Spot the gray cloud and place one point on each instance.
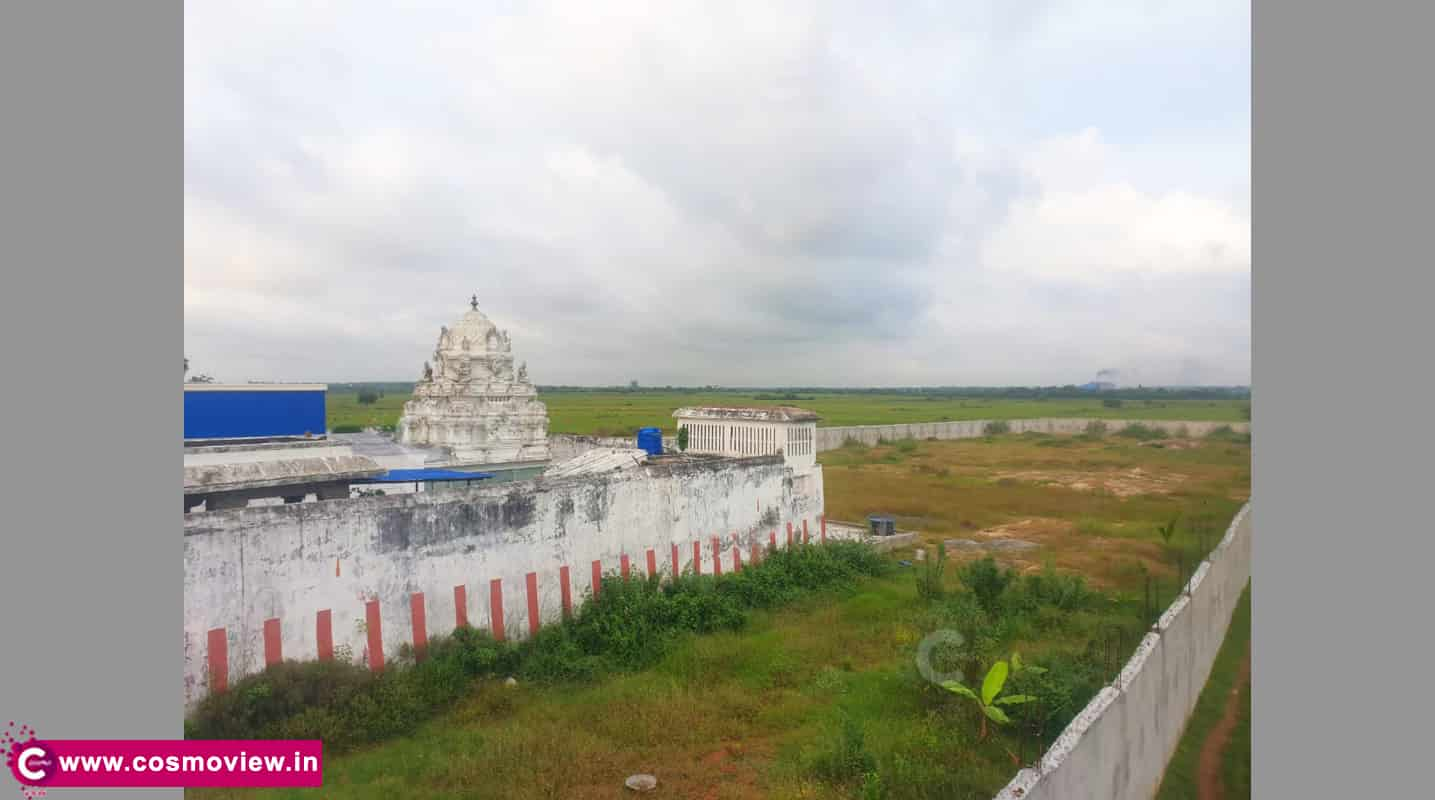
(767, 194)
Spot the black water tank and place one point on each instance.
(881, 525)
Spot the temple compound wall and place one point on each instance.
(359, 578)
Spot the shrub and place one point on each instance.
(347, 428)
(906, 445)
(368, 397)
(996, 427)
(1095, 429)
(1063, 590)
(1067, 685)
(929, 577)
(683, 438)
(845, 759)
(987, 581)
(1137, 430)
(1226, 434)
(1111, 402)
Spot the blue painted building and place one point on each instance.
(214, 411)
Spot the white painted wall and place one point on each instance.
(832, 438)
(288, 562)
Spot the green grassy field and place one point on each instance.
(623, 413)
(822, 699)
(1182, 775)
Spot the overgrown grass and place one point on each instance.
(631, 625)
(1181, 779)
(960, 487)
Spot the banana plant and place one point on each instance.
(1168, 530)
(988, 700)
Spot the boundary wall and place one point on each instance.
(568, 445)
(360, 578)
(1119, 745)
(832, 438)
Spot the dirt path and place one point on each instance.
(1208, 775)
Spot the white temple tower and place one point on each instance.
(472, 401)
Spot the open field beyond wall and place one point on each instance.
(821, 699)
(622, 413)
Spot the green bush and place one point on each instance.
(988, 582)
(1067, 685)
(1063, 590)
(929, 576)
(1137, 430)
(1226, 433)
(347, 428)
(996, 428)
(1111, 402)
(1095, 429)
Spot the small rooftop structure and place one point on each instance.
(230, 477)
(739, 431)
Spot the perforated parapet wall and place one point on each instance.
(1119, 745)
(362, 577)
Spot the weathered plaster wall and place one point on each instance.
(1120, 744)
(246, 567)
(831, 438)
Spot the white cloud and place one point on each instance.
(763, 193)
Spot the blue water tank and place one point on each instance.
(651, 440)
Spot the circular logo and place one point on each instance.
(34, 763)
(948, 641)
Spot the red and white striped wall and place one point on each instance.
(380, 625)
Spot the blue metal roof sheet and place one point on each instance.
(411, 475)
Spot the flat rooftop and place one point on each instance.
(256, 387)
(749, 413)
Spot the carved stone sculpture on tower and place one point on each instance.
(473, 402)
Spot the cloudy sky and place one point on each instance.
(795, 193)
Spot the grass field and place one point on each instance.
(822, 699)
(623, 413)
(1182, 780)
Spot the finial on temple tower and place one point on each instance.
(473, 301)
